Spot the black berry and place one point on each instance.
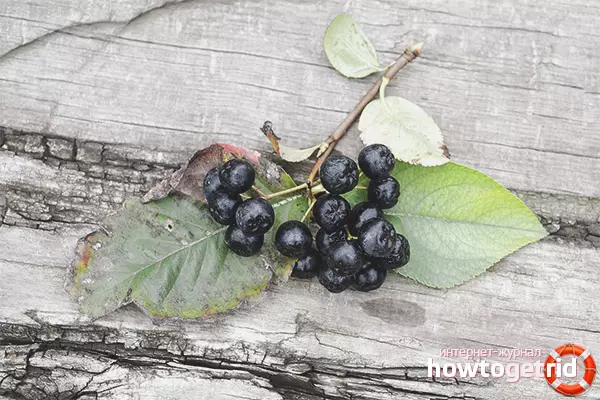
(376, 161)
(308, 266)
(377, 237)
(237, 176)
(362, 213)
(222, 206)
(334, 282)
(331, 211)
(293, 239)
(384, 192)
(241, 243)
(345, 258)
(369, 278)
(212, 183)
(339, 174)
(255, 216)
(399, 256)
(326, 240)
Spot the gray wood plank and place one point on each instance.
(373, 345)
(514, 87)
(98, 103)
(24, 23)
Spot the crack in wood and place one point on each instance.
(114, 172)
(40, 356)
(66, 29)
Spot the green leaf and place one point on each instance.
(169, 257)
(410, 133)
(458, 221)
(348, 49)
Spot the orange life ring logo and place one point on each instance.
(552, 370)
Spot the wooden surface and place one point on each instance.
(100, 100)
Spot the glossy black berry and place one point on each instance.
(339, 174)
(345, 258)
(237, 176)
(331, 211)
(362, 213)
(255, 216)
(377, 237)
(241, 243)
(399, 256)
(333, 281)
(369, 278)
(326, 240)
(223, 205)
(308, 266)
(376, 161)
(212, 183)
(293, 239)
(384, 192)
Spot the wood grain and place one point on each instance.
(101, 100)
(297, 336)
(514, 87)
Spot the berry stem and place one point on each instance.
(307, 213)
(284, 192)
(361, 187)
(348, 234)
(317, 189)
(258, 191)
(409, 55)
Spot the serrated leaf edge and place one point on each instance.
(542, 233)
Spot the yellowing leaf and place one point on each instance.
(409, 132)
(296, 155)
(348, 49)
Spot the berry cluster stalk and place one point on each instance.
(409, 55)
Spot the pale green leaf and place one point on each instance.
(410, 133)
(348, 49)
(292, 154)
(458, 221)
(169, 257)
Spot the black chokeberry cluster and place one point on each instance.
(356, 247)
(249, 219)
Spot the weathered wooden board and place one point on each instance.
(510, 84)
(100, 101)
(297, 337)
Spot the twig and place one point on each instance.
(409, 55)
